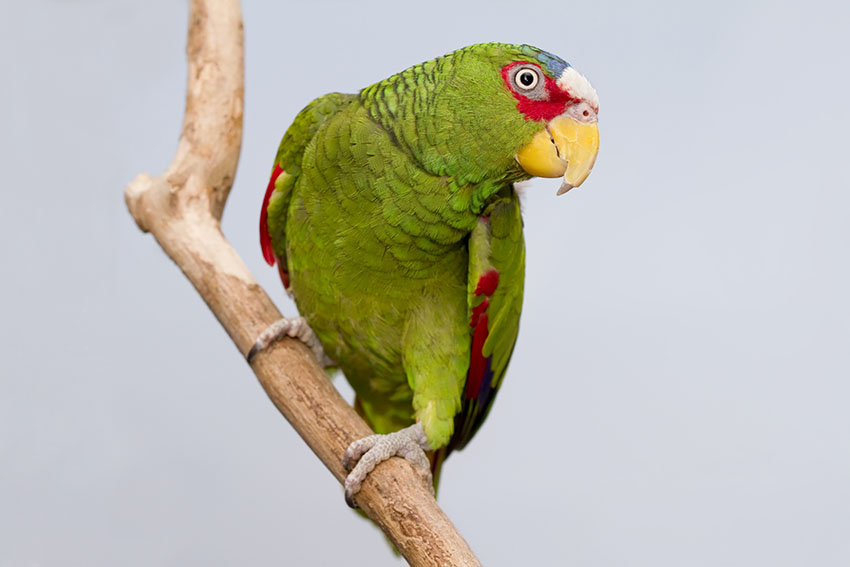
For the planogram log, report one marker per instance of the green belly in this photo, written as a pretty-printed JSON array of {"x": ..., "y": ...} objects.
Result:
[{"x": 357, "y": 290}]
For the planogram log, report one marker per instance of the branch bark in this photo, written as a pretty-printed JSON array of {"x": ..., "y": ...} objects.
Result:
[{"x": 182, "y": 209}]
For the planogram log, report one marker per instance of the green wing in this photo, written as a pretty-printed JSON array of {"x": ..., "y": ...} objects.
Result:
[
  {"x": 495, "y": 286},
  {"x": 287, "y": 168}
]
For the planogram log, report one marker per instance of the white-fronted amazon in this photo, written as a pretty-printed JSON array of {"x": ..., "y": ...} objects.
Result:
[{"x": 393, "y": 217}]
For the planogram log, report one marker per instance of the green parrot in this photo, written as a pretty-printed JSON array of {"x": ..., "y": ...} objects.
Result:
[{"x": 394, "y": 220}]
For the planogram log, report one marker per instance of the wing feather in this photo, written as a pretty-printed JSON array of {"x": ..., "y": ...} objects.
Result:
[
  {"x": 495, "y": 287},
  {"x": 285, "y": 173}
]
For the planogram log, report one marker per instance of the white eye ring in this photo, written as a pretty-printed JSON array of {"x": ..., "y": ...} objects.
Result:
[{"x": 522, "y": 74}]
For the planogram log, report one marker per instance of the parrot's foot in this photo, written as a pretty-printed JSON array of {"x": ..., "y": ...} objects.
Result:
[
  {"x": 409, "y": 443},
  {"x": 296, "y": 328}
]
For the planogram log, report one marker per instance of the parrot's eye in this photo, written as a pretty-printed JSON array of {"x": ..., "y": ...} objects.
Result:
[{"x": 527, "y": 80}]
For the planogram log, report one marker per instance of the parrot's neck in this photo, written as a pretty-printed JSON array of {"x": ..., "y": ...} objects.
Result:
[{"x": 439, "y": 125}]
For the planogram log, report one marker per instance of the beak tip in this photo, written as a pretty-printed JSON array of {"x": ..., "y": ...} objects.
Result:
[{"x": 564, "y": 188}]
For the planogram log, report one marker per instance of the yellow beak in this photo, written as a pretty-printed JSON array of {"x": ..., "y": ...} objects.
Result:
[{"x": 566, "y": 147}]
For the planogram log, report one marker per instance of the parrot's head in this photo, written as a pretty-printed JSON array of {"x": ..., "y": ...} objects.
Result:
[
  {"x": 554, "y": 94},
  {"x": 543, "y": 113},
  {"x": 493, "y": 111}
]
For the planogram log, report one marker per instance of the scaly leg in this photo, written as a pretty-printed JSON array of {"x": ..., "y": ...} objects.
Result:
[
  {"x": 409, "y": 443},
  {"x": 296, "y": 328}
]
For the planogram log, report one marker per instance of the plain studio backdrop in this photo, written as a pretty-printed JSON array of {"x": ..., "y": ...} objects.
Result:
[{"x": 679, "y": 393}]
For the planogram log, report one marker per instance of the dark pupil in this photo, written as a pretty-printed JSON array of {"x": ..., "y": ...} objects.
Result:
[{"x": 526, "y": 78}]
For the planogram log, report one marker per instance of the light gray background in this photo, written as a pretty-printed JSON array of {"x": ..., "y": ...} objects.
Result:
[{"x": 679, "y": 393}]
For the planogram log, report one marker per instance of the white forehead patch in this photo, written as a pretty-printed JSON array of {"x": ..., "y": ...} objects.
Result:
[{"x": 574, "y": 82}]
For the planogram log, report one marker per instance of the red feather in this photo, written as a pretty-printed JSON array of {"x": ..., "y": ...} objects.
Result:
[
  {"x": 480, "y": 321},
  {"x": 477, "y": 362},
  {"x": 265, "y": 237},
  {"x": 556, "y": 101},
  {"x": 477, "y": 311},
  {"x": 488, "y": 282}
]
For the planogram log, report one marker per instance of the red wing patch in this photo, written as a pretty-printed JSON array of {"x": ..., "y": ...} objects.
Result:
[
  {"x": 488, "y": 282},
  {"x": 477, "y": 362},
  {"x": 480, "y": 373},
  {"x": 477, "y": 311},
  {"x": 265, "y": 237}
]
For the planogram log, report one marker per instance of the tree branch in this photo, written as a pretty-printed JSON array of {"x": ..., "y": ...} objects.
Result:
[{"x": 182, "y": 209}]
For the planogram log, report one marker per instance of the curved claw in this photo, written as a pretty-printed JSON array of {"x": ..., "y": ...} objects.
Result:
[
  {"x": 409, "y": 443},
  {"x": 296, "y": 328}
]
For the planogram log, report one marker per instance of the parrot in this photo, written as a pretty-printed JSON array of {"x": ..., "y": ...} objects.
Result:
[{"x": 394, "y": 220}]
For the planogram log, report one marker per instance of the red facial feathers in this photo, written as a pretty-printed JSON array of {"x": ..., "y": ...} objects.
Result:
[{"x": 555, "y": 103}]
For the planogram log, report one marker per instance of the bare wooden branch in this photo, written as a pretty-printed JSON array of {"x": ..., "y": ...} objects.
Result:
[{"x": 182, "y": 209}]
